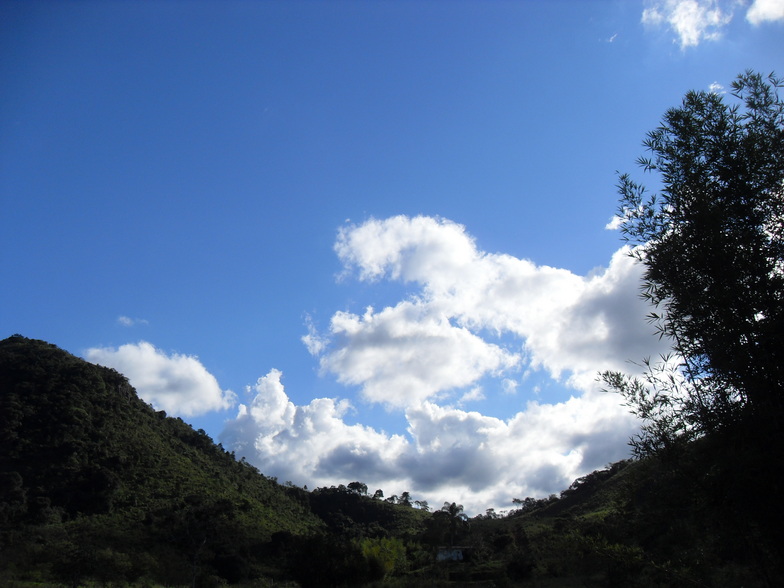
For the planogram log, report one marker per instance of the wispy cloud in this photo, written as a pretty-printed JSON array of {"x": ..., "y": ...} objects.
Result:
[
  {"x": 693, "y": 21},
  {"x": 127, "y": 321},
  {"x": 314, "y": 342},
  {"x": 176, "y": 383},
  {"x": 473, "y": 395},
  {"x": 509, "y": 386}
]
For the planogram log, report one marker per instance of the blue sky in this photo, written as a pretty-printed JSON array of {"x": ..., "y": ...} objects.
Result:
[{"x": 352, "y": 240}]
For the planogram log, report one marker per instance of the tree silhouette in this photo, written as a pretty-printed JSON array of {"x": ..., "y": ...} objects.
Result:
[
  {"x": 358, "y": 487},
  {"x": 422, "y": 505},
  {"x": 456, "y": 518},
  {"x": 712, "y": 246}
]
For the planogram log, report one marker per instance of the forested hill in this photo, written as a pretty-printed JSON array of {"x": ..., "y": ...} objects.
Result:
[
  {"x": 92, "y": 469},
  {"x": 97, "y": 488}
]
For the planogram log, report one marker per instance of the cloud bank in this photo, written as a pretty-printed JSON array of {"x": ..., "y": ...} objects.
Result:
[
  {"x": 448, "y": 454},
  {"x": 473, "y": 317},
  {"x": 178, "y": 384}
]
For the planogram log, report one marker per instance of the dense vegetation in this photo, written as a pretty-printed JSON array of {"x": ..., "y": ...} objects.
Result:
[
  {"x": 97, "y": 483},
  {"x": 97, "y": 488}
]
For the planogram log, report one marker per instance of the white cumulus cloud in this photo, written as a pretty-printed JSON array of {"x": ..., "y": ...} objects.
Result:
[
  {"x": 485, "y": 461},
  {"x": 448, "y": 454},
  {"x": 404, "y": 354},
  {"x": 309, "y": 444},
  {"x": 176, "y": 383},
  {"x": 471, "y": 316},
  {"x": 614, "y": 223},
  {"x": 764, "y": 11},
  {"x": 692, "y": 21},
  {"x": 450, "y": 334}
]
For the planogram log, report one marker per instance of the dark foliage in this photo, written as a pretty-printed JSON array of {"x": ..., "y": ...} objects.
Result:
[
  {"x": 144, "y": 499},
  {"x": 354, "y": 515},
  {"x": 96, "y": 484},
  {"x": 323, "y": 560},
  {"x": 712, "y": 245}
]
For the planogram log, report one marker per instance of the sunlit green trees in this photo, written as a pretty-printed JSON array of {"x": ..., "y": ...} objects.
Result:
[{"x": 387, "y": 553}]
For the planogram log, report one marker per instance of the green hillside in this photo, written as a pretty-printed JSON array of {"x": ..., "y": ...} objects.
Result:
[
  {"x": 91, "y": 469},
  {"x": 99, "y": 489}
]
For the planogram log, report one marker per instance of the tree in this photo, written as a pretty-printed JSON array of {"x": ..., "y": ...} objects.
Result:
[
  {"x": 389, "y": 553},
  {"x": 455, "y": 516},
  {"x": 358, "y": 488},
  {"x": 712, "y": 249}
]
